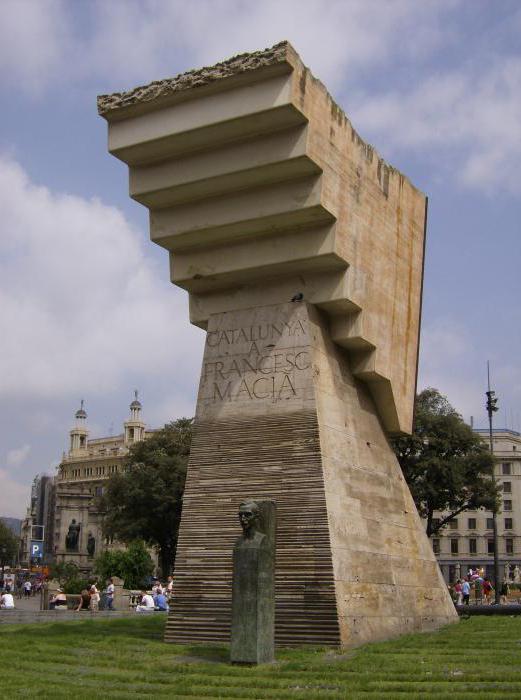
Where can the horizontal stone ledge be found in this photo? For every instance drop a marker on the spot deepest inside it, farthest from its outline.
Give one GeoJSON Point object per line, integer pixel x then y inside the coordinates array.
{"type": "Point", "coordinates": [207, 137]}
{"type": "Point", "coordinates": [234, 166]}
{"type": "Point", "coordinates": [29, 617]}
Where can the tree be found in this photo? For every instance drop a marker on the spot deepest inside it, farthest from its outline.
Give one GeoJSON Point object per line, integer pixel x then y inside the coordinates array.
{"type": "Point", "coordinates": [446, 465]}
{"type": "Point", "coordinates": [9, 544]}
{"type": "Point", "coordinates": [144, 501]}
{"type": "Point", "coordinates": [134, 565]}
{"type": "Point", "coordinates": [69, 577]}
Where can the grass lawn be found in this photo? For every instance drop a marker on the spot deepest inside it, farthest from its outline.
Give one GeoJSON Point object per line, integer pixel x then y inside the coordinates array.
{"type": "Point", "coordinates": [127, 659]}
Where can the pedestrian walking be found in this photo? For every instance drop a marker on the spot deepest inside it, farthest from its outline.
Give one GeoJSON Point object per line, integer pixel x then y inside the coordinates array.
{"type": "Point", "coordinates": [458, 590]}
{"type": "Point", "coordinates": [465, 589]}
{"type": "Point", "coordinates": [487, 590]}
{"type": "Point", "coordinates": [109, 592]}
{"type": "Point", "coordinates": [504, 591]}
{"type": "Point", "coordinates": [27, 588]}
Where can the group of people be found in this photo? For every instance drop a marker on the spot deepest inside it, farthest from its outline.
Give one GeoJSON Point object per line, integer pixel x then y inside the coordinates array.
{"type": "Point", "coordinates": [157, 599]}
{"type": "Point", "coordinates": [89, 598]}
{"type": "Point", "coordinates": [23, 588]}
{"type": "Point", "coordinates": [482, 587]}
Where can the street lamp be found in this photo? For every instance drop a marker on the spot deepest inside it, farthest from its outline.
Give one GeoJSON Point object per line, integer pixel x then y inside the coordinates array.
{"type": "Point", "coordinates": [492, 407]}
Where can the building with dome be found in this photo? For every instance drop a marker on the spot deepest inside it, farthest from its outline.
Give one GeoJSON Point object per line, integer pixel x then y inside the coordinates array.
{"type": "Point", "coordinates": [80, 480]}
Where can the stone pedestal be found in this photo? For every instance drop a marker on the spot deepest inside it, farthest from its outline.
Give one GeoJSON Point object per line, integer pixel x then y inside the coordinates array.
{"type": "Point", "coordinates": [253, 595]}
{"type": "Point", "coordinates": [280, 415]}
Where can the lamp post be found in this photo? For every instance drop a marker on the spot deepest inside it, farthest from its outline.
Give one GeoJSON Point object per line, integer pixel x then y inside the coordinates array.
{"type": "Point", "coordinates": [492, 407]}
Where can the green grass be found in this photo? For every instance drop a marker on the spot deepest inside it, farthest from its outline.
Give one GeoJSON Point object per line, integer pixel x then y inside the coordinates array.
{"type": "Point", "coordinates": [126, 658]}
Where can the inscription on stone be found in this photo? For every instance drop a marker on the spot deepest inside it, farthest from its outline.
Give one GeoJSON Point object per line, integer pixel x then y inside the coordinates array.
{"type": "Point", "coordinates": [256, 362]}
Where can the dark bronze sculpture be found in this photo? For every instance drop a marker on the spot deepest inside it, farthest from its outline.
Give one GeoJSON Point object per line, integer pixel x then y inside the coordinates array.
{"type": "Point", "coordinates": [91, 544]}
{"type": "Point", "coordinates": [253, 595]}
{"type": "Point", "coordinates": [72, 537]}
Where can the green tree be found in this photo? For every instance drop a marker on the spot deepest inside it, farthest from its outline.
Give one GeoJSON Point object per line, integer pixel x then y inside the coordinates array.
{"type": "Point", "coordinates": [447, 466]}
{"type": "Point", "coordinates": [9, 545]}
{"type": "Point", "coordinates": [134, 565]}
{"type": "Point", "coordinates": [64, 572]}
{"type": "Point", "coordinates": [144, 501]}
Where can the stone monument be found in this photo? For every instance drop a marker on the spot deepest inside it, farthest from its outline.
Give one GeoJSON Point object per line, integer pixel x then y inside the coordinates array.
{"type": "Point", "coordinates": [253, 592]}
{"type": "Point", "coordinates": [302, 252]}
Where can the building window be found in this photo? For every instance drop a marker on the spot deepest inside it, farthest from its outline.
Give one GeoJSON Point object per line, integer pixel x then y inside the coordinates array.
{"type": "Point", "coordinates": [490, 523]}
{"type": "Point", "coordinates": [453, 524]}
{"type": "Point", "coordinates": [472, 523]}
{"type": "Point", "coordinates": [507, 505]}
{"type": "Point", "coordinates": [454, 546]}
{"type": "Point", "coordinates": [509, 545]}
{"type": "Point", "coordinates": [436, 546]}
{"type": "Point", "coordinates": [506, 468]}
{"type": "Point", "coordinates": [99, 490]}
{"type": "Point", "coordinates": [435, 522]}
{"type": "Point", "coordinates": [473, 545]}
{"type": "Point", "coordinates": [507, 487]}
{"type": "Point", "coordinates": [490, 546]}
{"type": "Point", "coordinates": [508, 524]}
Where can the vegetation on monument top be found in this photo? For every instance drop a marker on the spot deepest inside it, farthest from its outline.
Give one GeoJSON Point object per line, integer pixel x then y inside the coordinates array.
{"type": "Point", "coordinates": [446, 464]}
{"type": "Point", "coordinates": [144, 501]}
{"type": "Point", "coordinates": [124, 658]}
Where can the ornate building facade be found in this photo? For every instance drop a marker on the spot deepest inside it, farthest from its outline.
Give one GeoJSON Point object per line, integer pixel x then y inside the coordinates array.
{"type": "Point", "coordinates": [81, 477]}
{"type": "Point", "coordinates": [467, 541]}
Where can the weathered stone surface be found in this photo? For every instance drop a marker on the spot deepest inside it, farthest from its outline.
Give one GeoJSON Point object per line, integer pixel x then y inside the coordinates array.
{"type": "Point", "coordinates": [276, 418]}
{"type": "Point", "coordinates": [262, 192]}
{"type": "Point", "coordinates": [251, 170]}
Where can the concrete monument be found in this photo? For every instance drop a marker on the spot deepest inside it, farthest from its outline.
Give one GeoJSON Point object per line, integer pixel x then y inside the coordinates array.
{"type": "Point", "coordinates": [302, 252]}
{"type": "Point", "coordinates": [253, 591]}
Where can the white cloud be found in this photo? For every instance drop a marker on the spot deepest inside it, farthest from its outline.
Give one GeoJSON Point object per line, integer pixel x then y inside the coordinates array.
{"type": "Point", "coordinates": [14, 497]}
{"type": "Point", "coordinates": [17, 456]}
{"type": "Point", "coordinates": [142, 40]}
{"type": "Point", "coordinates": [34, 35]}
{"type": "Point", "coordinates": [81, 306]}
{"type": "Point", "coordinates": [468, 119]}
{"type": "Point", "coordinates": [139, 39]}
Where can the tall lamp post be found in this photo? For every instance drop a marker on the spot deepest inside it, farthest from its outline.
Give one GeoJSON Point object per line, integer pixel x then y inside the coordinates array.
{"type": "Point", "coordinates": [492, 407]}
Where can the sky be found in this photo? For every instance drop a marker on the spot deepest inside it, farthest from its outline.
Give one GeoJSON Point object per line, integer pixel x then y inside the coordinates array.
{"type": "Point", "coordinates": [86, 306]}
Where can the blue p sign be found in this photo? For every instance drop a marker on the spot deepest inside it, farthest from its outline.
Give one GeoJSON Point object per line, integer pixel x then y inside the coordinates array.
{"type": "Point", "coordinates": [36, 550]}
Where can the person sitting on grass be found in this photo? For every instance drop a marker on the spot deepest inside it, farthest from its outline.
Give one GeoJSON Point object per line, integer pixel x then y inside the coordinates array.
{"type": "Point", "coordinates": [7, 601]}
{"type": "Point", "coordinates": [84, 603]}
{"type": "Point", "coordinates": [147, 603]}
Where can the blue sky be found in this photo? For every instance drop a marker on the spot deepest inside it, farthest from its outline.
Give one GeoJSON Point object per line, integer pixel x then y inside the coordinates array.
{"type": "Point", "coordinates": [86, 308]}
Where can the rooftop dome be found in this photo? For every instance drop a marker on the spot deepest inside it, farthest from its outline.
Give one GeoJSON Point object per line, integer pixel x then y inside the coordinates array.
{"type": "Point", "coordinates": [135, 403]}
{"type": "Point", "coordinates": [81, 413]}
